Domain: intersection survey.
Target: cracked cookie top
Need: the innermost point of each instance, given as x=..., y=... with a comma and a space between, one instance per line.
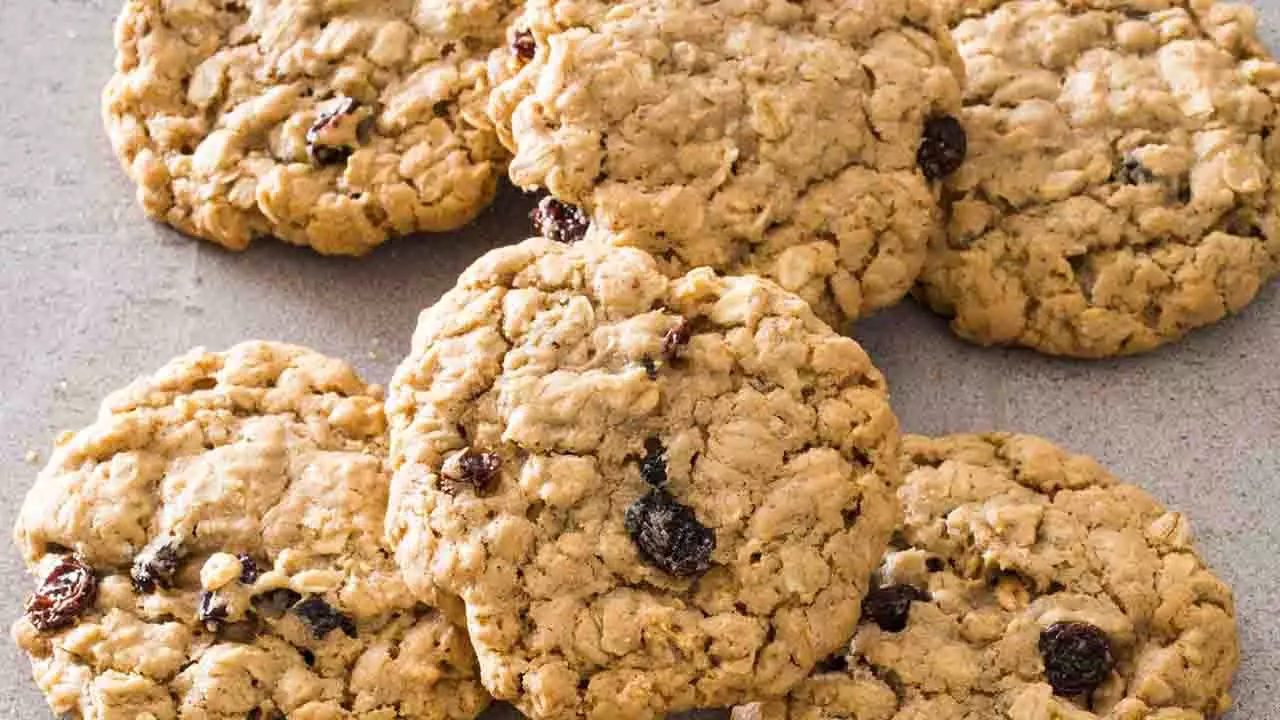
x=651, y=494
x=211, y=546
x=1120, y=187
x=1028, y=583
x=797, y=141
x=327, y=123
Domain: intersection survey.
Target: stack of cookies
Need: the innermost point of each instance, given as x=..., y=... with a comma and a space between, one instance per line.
x=628, y=468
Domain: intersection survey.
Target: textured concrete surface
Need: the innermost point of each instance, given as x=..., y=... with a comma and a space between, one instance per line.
x=91, y=294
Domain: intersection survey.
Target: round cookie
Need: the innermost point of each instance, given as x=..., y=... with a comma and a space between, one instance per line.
x=797, y=141
x=651, y=494
x=1119, y=190
x=329, y=124
x=1028, y=583
x=211, y=547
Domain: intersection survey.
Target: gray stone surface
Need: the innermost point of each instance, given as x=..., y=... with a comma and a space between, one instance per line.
x=91, y=294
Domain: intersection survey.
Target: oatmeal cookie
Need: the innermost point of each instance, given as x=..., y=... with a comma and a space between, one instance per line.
x=1028, y=583
x=211, y=547
x=1120, y=189
x=798, y=141
x=651, y=494
x=326, y=123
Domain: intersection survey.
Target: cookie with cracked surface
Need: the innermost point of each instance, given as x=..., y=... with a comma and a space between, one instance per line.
x=211, y=546
x=1039, y=587
x=333, y=125
x=797, y=141
x=1120, y=188
x=651, y=494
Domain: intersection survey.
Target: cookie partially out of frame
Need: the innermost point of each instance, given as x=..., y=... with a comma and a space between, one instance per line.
x=651, y=494
x=210, y=547
x=798, y=141
x=1028, y=583
x=333, y=125
x=1120, y=189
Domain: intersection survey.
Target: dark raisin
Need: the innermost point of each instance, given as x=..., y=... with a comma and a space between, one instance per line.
x=650, y=368
x=943, y=147
x=274, y=603
x=890, y=606
x=838, y=662
x=1131, y=171
x=212, y=611
x=326, y=154
x=66, y=593
x=248, y=569
x=478, y=471
x=322, y=619
x=676, y=338
x=524, y=46
x=559, y=222
x=668, y=535
x=653, y=467
x=1077, y=657
x=155, y=569
x=257, y=714
x=934, y=564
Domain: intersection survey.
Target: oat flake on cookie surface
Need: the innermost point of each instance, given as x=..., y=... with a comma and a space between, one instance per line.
x=334, y=124
x=650, y=493
x=1027, y=583
x=795, y=140
x=211, y=548
x=1120, y=189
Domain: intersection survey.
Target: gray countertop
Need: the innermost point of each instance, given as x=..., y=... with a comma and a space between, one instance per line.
x=91, y=294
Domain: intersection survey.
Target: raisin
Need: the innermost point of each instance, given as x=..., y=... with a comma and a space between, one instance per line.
x=676, y=338
x=559, y=222
x=1131, y=171
x=890, y=606
x=155, y=569
x=524, y=46
x=320, y=617
x=66, y=593
x=324, y=154
x=1077, y=657
x=212, y=611
x=653, y=468
x=650, y=368
x=838, y=662
x=934, y=564
x=274, y=603
x=668, y=535
x=257, y=714
x=943, y=147
x=248, y=569
x=478, y=471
